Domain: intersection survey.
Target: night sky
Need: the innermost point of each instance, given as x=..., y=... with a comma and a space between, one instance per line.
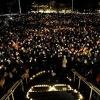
x=7, y=6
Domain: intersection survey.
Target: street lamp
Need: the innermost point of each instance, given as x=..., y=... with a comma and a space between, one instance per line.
x=72, y=5
x=20, y=10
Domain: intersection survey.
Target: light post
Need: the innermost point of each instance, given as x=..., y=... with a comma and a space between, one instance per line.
x=50, y=5
x=72, y=5
x=20, y=10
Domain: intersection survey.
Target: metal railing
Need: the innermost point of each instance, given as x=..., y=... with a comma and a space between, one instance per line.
x=90, y=85
x=10, y=93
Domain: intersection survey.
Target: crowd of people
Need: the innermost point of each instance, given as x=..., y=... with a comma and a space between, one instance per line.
x=41, y=40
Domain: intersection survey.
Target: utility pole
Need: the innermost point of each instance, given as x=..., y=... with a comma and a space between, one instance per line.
x=20, y=10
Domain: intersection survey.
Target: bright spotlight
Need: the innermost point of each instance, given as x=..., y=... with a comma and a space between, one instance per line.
x=52, y=88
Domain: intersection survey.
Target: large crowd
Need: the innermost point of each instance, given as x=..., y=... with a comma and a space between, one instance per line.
x=39, y=41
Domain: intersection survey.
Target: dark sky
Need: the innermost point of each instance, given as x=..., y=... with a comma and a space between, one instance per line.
x=12, y=5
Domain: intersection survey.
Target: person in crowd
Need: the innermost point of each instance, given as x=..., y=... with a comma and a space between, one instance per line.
x=2, y=86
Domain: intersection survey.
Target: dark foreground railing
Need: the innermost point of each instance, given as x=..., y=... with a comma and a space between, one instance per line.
x=10, y=94
x=89, y=85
